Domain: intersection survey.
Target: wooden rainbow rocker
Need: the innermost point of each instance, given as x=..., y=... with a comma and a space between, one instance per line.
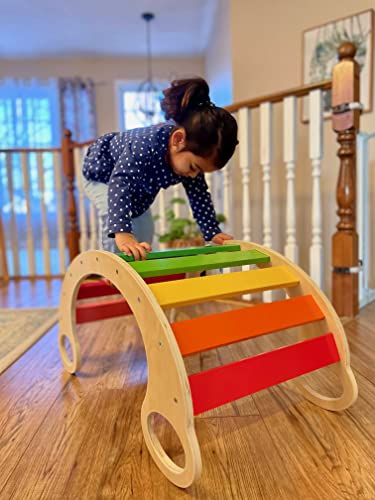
x=154, y=284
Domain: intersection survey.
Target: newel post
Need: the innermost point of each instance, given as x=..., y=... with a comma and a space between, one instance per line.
x=72, y=234
x=345, y=122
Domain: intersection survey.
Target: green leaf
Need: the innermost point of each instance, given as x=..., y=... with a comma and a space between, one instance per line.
x=169, y=215
x=180, y=201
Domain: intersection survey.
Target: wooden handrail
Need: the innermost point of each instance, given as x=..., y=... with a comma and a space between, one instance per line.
x=279, y=96
x=30, y=150
x=82, y=144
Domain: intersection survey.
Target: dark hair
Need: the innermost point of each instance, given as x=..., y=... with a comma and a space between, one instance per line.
x=210, y=130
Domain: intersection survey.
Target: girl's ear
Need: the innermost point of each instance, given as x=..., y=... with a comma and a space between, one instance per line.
x=178, y=138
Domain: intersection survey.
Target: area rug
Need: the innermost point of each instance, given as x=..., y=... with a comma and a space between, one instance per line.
x=20, y=329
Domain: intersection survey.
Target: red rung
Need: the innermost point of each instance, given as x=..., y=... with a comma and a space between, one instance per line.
x=91, y=289
x=99, y=288
x=110, y=309
x=221, y=385
x=101, y=310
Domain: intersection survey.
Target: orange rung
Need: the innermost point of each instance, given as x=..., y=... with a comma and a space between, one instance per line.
x=208, y=332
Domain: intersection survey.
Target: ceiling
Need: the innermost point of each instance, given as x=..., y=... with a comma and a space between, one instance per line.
x=50, y=28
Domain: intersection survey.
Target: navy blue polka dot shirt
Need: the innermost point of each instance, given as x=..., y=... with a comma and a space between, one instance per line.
x=134, y=165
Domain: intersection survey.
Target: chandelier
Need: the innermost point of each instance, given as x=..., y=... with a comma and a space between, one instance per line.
x=147, y=101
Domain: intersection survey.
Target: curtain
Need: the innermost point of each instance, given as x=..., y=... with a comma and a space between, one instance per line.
x=77, y=105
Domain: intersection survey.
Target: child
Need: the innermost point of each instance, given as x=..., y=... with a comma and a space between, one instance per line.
x=123, y=172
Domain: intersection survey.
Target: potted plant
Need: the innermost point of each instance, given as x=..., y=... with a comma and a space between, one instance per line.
x=182, y=231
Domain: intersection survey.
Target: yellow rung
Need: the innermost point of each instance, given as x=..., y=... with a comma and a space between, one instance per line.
x=193, y=290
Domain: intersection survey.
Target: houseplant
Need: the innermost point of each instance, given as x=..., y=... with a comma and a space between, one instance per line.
x=182, y=231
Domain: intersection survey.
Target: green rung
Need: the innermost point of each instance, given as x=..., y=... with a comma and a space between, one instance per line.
x=197, y=263
x=183, y=252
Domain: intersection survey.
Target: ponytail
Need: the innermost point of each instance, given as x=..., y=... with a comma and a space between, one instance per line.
x=210, y=131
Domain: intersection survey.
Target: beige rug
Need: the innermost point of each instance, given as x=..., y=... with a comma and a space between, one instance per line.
x=20, y=329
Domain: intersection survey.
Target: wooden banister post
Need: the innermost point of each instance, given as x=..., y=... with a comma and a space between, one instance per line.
x=72, y=234
x=345, y=121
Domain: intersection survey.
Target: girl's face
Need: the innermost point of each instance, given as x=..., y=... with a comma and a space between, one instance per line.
x=186, y=163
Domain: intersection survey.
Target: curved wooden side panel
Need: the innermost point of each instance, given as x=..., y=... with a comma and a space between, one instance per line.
x=168, y=390
x=331, y=323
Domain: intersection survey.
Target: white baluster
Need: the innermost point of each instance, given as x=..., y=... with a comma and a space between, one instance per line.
x=244, y=134
x=61, y=244
x=83, y=240
x=290, y=155
x=176, y=194
x=43, y=202
x=13, y=224
x=316, y=152
x=227, y=188
x=266, y=161
x=29, y=227
x=226, y=183
x=162, y=219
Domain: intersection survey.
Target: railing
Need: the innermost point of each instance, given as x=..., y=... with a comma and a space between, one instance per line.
x=288, y=100
x=231, y=187
x=33, y=227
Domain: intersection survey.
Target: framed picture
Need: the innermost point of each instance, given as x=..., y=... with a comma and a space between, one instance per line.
x=320, y=46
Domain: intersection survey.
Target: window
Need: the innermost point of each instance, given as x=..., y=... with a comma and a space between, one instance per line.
x=29, y=115
x=29, y=118
x=128, y=102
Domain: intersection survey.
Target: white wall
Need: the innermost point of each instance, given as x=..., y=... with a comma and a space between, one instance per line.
x=218, y=59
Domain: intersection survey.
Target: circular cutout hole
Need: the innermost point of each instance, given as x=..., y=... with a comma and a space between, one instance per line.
x=97, y=259
x=139, y=299
x=116, y=271
x=164, y=436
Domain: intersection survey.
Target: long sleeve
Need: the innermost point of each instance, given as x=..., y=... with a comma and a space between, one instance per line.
x=201, y=205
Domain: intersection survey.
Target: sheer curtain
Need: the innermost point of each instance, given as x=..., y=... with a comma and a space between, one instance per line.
x=77, y=105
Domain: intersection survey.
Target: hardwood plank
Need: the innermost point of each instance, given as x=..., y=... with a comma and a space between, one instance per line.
x=30, y=293
x=333, y=467
x=72, y=418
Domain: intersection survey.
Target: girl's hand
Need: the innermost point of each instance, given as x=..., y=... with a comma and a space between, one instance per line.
x=128, y=244
x=221, y=237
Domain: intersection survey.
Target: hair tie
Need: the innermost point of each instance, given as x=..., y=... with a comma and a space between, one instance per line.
x=206, y=103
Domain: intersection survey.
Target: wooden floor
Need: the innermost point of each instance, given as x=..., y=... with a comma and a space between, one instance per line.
x=79, y=437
